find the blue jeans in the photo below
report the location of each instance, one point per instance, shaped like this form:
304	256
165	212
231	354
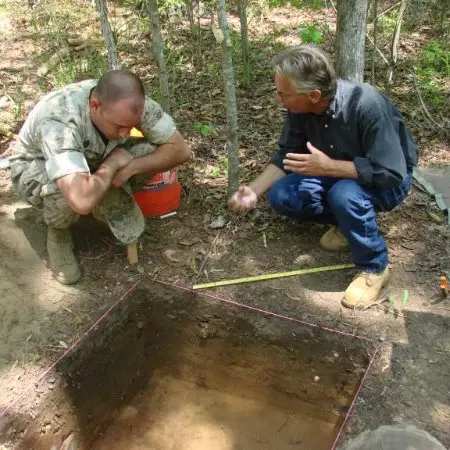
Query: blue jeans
345	203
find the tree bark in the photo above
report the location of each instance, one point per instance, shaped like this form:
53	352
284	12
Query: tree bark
158	52
227	61
113	61
242	11
395	39
350	39
375	38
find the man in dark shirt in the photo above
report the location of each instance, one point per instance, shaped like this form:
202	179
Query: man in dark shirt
344	155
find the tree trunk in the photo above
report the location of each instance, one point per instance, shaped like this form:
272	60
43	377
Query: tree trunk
158	52
395	39
375	39
225	39
350	39
190	15
242	11
113	61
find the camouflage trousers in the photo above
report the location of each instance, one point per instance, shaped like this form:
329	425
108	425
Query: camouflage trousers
117	209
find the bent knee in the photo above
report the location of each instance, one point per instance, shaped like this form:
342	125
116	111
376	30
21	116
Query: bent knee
345	192
277	195
57	212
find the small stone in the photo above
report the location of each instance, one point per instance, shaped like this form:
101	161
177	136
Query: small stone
316	378
140	269
336	355
128	413
140	325
382	337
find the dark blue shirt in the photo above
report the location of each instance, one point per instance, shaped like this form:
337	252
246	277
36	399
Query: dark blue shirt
359	125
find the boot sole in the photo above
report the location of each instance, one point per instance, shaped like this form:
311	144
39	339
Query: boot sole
67	281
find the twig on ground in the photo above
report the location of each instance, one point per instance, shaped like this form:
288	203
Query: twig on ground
377	49
213	246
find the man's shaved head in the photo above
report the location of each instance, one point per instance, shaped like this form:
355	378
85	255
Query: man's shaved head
116	85
117	103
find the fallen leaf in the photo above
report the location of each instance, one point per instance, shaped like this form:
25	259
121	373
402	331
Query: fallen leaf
170	255
220	222
188	242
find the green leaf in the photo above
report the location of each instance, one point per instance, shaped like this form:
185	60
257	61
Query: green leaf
405	297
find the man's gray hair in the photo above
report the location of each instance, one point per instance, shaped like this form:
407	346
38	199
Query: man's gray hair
309	68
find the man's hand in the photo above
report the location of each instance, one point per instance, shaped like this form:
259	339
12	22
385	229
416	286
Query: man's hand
118	159
243	200
315	164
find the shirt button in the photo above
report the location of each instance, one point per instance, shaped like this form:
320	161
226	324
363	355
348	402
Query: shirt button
331	146
326	125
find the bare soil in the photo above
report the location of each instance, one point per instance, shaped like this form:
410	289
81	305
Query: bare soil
198	352
200	375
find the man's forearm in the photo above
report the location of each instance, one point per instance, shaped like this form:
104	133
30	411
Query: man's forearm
84	191
266	179
164	157
342	169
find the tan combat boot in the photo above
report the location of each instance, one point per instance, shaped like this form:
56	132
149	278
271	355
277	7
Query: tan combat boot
365	289
333	240
62	260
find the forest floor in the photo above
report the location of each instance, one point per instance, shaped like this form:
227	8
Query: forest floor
409	380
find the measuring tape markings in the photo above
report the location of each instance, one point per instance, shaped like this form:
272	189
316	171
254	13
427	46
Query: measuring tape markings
272	276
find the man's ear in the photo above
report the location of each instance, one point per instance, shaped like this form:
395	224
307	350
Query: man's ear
94	103
315	96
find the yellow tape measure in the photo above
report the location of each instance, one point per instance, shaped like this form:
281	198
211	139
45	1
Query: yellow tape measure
271	276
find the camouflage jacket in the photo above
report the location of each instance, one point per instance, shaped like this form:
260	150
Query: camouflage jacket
58	138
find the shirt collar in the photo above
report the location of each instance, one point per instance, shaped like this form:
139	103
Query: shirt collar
333	106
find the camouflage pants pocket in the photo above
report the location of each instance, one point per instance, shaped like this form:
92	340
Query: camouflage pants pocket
28	179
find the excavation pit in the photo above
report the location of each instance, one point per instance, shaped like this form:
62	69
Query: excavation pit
173	370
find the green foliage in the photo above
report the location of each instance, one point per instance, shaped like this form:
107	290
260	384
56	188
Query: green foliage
312	33
87	65
221	168
204	129
52	19
432	70
386	23
436	57
392	300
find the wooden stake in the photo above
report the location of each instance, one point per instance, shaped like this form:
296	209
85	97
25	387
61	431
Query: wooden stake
132	253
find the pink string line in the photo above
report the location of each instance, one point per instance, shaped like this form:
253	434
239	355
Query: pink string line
70	349
262	311
352	406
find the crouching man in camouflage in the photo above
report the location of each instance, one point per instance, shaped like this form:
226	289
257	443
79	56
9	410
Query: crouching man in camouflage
75	156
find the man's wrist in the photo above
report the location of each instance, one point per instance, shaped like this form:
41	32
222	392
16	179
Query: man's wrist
108	167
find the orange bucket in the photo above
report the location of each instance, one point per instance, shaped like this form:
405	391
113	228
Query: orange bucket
160	195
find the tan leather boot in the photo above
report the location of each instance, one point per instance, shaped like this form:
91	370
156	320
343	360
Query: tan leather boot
333	240
365	289
62	260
